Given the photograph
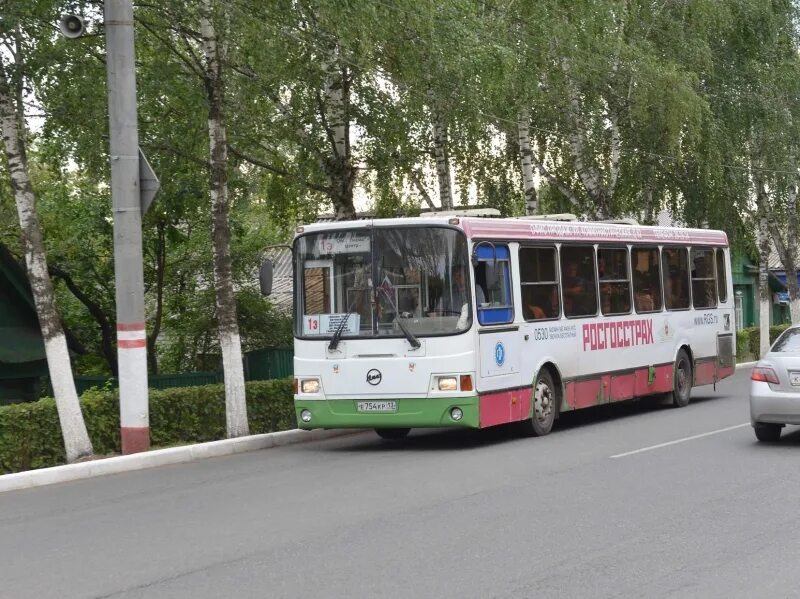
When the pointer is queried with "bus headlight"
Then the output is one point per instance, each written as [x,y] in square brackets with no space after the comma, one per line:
[448,383]
[309,386]
[305,416]
[456,414]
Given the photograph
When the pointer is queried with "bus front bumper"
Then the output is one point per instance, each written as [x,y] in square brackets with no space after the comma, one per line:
[408,413]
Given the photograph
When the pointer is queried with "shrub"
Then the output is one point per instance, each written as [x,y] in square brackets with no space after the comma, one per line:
[742,342]
[30,434]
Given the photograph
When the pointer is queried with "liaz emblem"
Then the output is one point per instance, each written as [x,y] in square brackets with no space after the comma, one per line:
[374,377]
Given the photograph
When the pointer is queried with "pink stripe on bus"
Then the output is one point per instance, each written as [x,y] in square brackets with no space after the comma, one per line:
[504,406]
[599,232]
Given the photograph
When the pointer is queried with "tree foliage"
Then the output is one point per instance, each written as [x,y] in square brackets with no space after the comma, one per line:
[633,106]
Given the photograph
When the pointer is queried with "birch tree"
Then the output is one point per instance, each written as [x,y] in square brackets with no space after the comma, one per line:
[12,119]
[441,151]
[335,115]
[786,247]
[526,163]
[214,47]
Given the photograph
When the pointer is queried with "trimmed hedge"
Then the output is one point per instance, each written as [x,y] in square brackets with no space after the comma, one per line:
[30,434]
[749,340]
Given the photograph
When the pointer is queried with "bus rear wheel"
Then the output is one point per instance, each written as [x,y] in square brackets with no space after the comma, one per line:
[392,434]
[545,403]
[682,380]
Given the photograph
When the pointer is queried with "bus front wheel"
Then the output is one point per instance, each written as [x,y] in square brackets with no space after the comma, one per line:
[392,434]
[544,400]
[682,380]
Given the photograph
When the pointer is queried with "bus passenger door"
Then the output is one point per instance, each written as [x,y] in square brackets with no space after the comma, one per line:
[498,336]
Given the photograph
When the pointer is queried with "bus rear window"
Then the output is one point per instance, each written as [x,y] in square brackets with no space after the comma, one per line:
[722,283]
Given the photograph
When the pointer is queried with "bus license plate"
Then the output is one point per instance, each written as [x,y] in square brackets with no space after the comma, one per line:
[376,406]
[794,377]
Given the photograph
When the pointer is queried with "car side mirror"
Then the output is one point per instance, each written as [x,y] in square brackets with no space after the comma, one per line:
[265,278]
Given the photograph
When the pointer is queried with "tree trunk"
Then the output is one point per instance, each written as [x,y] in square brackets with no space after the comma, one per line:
[228,327]
[763,271]
[787,250]
[579,150]
[526,162]
[76,439]
[416,180]
[336,117]
[441,153]
[107,332]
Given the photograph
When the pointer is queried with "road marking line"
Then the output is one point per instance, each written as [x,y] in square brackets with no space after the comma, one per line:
[660,445]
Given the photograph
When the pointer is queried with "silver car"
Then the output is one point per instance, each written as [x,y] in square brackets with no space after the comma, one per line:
[775,387]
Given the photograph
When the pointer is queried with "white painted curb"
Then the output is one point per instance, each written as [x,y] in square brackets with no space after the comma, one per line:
[162,457]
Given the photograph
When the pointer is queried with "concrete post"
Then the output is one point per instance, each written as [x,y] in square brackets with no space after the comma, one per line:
[124,156]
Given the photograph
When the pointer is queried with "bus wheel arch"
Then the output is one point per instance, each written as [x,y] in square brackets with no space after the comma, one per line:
[682,377]
[559,383]
[546,394]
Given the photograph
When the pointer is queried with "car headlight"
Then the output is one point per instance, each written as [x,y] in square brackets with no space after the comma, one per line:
[309,386]
[448,383]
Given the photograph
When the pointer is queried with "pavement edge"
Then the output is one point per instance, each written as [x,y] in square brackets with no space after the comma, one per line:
[162,457]
[172,455]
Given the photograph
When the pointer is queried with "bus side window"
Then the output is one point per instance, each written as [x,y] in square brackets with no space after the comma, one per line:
[493,293]
[722,283]
[578,281]
[646,280]
[537,267]
[675,274]
[704,286]
[615,283]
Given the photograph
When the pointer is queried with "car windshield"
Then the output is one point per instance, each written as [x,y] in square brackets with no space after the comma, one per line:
[398,282]
[788,343]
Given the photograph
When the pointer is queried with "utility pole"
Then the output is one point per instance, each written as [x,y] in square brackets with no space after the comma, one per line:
[128,209]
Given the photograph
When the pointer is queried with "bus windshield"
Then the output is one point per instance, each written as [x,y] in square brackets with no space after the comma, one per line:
[381,282]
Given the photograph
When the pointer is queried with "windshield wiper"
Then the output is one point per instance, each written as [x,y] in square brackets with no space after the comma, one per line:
[337,334]
[411,339]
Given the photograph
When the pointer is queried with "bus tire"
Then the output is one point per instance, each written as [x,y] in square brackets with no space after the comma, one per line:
[682,378]
[544,404]
[392,434]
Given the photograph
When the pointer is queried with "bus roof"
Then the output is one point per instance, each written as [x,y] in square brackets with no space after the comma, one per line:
[521,229]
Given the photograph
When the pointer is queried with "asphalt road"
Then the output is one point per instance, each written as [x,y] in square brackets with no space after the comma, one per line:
[442,514]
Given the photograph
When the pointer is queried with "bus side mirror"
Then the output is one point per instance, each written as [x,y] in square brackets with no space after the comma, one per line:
[265,278]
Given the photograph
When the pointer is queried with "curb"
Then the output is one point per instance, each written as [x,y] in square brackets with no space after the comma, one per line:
[162,457]
[173,455]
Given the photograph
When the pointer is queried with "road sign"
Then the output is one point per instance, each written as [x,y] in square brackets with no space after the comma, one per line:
[148,182]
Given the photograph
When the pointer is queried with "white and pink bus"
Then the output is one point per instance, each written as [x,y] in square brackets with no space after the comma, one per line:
[453,320]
